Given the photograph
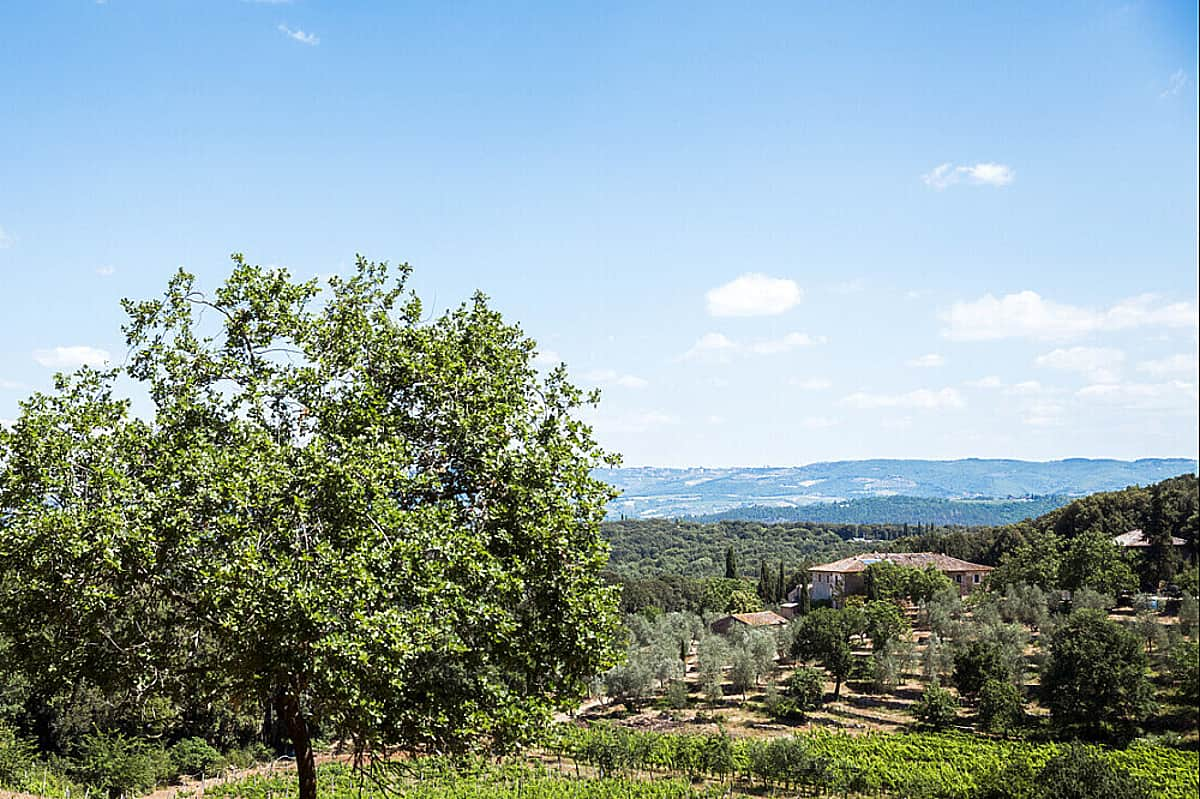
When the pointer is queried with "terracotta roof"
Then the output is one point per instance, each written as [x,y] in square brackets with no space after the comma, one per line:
[1136,538]
[915,560]
[763,618]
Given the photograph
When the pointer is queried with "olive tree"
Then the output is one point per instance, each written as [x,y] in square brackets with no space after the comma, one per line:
[353,513]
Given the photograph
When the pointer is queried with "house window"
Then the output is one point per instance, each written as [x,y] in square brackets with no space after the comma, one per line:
[958,578]
[975,579]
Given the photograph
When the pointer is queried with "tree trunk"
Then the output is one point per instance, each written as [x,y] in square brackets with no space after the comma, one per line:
[288,708]
[837,687]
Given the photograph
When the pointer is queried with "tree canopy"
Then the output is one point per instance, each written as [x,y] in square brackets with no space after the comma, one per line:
[364,519]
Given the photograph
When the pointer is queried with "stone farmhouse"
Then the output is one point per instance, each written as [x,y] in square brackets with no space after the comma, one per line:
[832,581]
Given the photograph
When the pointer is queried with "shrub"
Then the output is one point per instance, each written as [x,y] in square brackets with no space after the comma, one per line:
[937,708]
[115,764]
[677,695]
[195,756]
[978,663]
[16,756]
[1079,773]
[249,755]
[1000,706]
[1183,664]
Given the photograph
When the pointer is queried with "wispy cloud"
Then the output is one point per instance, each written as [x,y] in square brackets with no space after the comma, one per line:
[1182,364]
[855,286]
[1175,84]
[991,381]
[754,294]
[818,422]
[547,359]
[635,422]
[611,377]
[719,347]
[1027,315]
[71,357]
[922,398]
[105,271]
[1175,394]
[983,174]
[6,240]
[711,346]
[774,346]
[811,383]
[1043,414]
[311,39]
[1098,364]
[930,361]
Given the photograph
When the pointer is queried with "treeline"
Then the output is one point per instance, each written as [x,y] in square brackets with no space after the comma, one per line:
[1036,551]
[1050,549]
[697,549]
[890,510]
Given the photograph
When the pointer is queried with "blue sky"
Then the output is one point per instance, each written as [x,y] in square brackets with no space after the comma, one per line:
[771,233]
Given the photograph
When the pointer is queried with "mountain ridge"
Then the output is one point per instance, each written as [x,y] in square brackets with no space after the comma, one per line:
[692,492]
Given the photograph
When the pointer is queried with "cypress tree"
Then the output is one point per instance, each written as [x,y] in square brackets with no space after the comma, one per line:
[780,585]
[731,571]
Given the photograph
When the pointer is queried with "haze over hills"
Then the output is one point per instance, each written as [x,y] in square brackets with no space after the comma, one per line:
[975,490]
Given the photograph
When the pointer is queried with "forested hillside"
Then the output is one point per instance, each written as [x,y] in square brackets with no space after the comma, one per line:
[696,549]
[901,509]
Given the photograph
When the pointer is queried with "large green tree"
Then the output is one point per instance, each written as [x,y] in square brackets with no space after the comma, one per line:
[1094,681]
[360,516]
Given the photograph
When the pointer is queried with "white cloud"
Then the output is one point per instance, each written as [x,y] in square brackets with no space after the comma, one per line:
[711,346]
[636,422]
[6,240]
[854,286]
[1098,364]
[1025,388]
[991,381]
[1043,414]
[311,39]
[547,359]
[930,361]
[811,383]
[753,294]
[1026,314]
[719,347]
[71,357]
[818,422]
[1182,363]
[1175,84]
[610,377]
[105,271]
[983,174]
[774,346]
[1175,394]
[922,398]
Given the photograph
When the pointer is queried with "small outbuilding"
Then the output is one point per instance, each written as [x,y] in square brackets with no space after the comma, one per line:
[1136,539]
[763,618]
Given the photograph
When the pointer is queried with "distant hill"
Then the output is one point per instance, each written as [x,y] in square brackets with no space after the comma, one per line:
[695,492]
[900,510]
